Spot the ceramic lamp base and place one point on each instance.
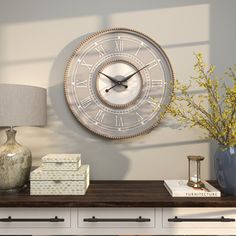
(15, 164)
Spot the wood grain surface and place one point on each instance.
(116, 194)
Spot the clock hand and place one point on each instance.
(107, 90)
(125, 79)
(131, 75)
(114, 80)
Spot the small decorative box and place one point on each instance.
(55, 162)
(59, 182)
(58, 187)
(80, 174)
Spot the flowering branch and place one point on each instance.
(215, 110)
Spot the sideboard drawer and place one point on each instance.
(199, 217)
(116, 217)
(34, 217)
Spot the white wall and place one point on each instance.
(37, 38)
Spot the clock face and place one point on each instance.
(118, 83)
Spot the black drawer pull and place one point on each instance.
(10, 219)
(139, 219)
(221, 219)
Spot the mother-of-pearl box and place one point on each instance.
(55, 162)
(59, 182)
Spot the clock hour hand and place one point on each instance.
(107, 90)
(134, 73)
(114, 80)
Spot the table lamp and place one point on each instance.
(20, 105)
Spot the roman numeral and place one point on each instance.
(119, 121)
(137, 52)
(155, 83)
(100, 50)
(151, 101)
(139, 116)
(81, 84)
(84, 63)
(86, 102)
(99, 116)
(119, 45)
(152, 64)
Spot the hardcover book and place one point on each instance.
(179, 188)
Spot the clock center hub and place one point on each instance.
(122, 86)
(115, 87)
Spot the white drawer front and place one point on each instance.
(116, 217)
(34, 217)
(199, 217)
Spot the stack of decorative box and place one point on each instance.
(60, 174)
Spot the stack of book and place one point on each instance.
(60, 174)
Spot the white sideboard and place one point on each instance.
(117, 208)
(117, 221)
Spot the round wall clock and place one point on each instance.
(118, 83)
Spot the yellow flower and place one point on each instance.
(214, 110)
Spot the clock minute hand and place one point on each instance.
(114, 80)
(131, 75)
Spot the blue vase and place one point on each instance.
(225, 169)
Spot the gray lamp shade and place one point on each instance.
(22, 105)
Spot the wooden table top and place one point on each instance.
(116, 194)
